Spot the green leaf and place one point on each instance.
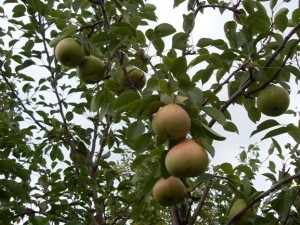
(148, 12)
(177, 3)
(296, 16)
(179, 41)
(294, 132)
(270, 176)
(229, 126)
(16, 189)
(247, 170)
(163, 170)
(126, 98)
(159, 45)
(249, 6)
(280, 20)
(265, 125)
(73, 222)
(100, 99)
(205, 143)
(275, 132)
(254, 114)
(198, 60)
(203, 75)
(243, 156)
(277, 146)
(138, 160)
(204, 42)
(8, 165)
(273, 3)
(143, 142)
(163, 30)
(151, 108)
(215, 114)
(179, 67)
(135, 130)
(188, 22)
(209, 132)
(144, 103)
(259, 21)
(294, 70)
(123, 29)
(19, 10)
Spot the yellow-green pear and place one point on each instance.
(136, 76)
(187, 159)
(69, 52)
(91, 70)
(168, 192)
(273, 100)
(171, 122)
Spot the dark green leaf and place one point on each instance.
(215, 114)
(275, 132)
(19, 10)
(209, 132)
(249, 6)
(143, 142)
(188, 22)
(163, 30)
(281, 20)
(265, 125)
(159, 45)
(296, 16)
(163, 170)
(177, 3)
(179, 67)
(125, 99)
(8, 165)
(259, 21)
(179, 41)
(273, 3)
(135, 130)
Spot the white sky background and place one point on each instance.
(210, 25)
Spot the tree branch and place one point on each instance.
(200, 204)
(27, 111)
(249, 81)
(230, 8)
(263, 195)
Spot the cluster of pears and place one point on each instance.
(91, 69)
(273, 100)
(185, 159)
(70, 53)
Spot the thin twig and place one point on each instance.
(200, 204)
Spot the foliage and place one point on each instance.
(74, 153)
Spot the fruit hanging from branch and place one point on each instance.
(187, 159)
(171, 122)
(91, 70)
(69, 52)
(136, 78)
(273, 100)
(169, 191)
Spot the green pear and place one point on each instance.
(168, 192)
(69, 52)
(136, 76)
(273, 100)
(91, 70)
